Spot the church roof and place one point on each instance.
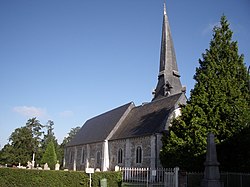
(148, 119)
(98, 128)
(128, 121)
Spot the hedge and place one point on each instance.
(11, 177)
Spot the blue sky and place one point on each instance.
(68, 61)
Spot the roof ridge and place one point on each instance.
(109, 111)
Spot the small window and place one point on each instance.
(138, 155)
(120, 156)
(71, 157)
(82, 158)
(98, 159)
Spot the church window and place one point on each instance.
(82, 157)
(98, 159)
(71, 158)
(120, 156)
(138, 155)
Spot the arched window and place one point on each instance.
(138, 155)
(71, 157)
(82, 158)
(98, 159)
(120, 156)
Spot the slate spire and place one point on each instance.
(169, 78)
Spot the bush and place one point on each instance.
(113, 178)
(10, 177)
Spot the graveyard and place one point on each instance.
(175, 139)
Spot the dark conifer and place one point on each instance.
(219, 103)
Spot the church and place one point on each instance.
(129, 135)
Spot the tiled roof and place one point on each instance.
(98, 128)
(143, 120)
(147, 119)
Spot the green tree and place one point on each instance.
(219, 103)
(71, 135)
(6, 154)
(66, 139)
(50, 136)
(50, 133)
(19, 149)
(234, 154)
(37, 131)
(36, 127)
(23, 142)
(49, 156)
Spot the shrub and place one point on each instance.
(10, 177)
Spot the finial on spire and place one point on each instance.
(165, 11)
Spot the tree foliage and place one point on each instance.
(66, 139)
(36, 129)
(20, 147)
(23, 142)
(33, 138)
(219, 103)
(71, 135)
(50, 137)
(49, 155)
(234, 153)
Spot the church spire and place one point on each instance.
(169, 78)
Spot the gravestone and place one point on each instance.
(32, 164)
(117, 168)
(211, 173)
(46, 167)
(57, 166)
(38, 167)
(29, 165)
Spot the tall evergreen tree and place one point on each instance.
(37, 131)
(50, 136)
(49, 156)
(219, 103)
(6, 154)
(23, 142)
(19, 149)
(50, 133)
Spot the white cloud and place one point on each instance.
(30, 111)
(209, 28)
(66, 114)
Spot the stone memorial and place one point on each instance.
(57, 166)
(117, 168)
(211, 173)
(46, 167)
(32, 164)
(29, 165)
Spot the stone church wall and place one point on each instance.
(79, 157)
(82, 156)
(129, 147)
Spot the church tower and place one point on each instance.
(169, 78)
